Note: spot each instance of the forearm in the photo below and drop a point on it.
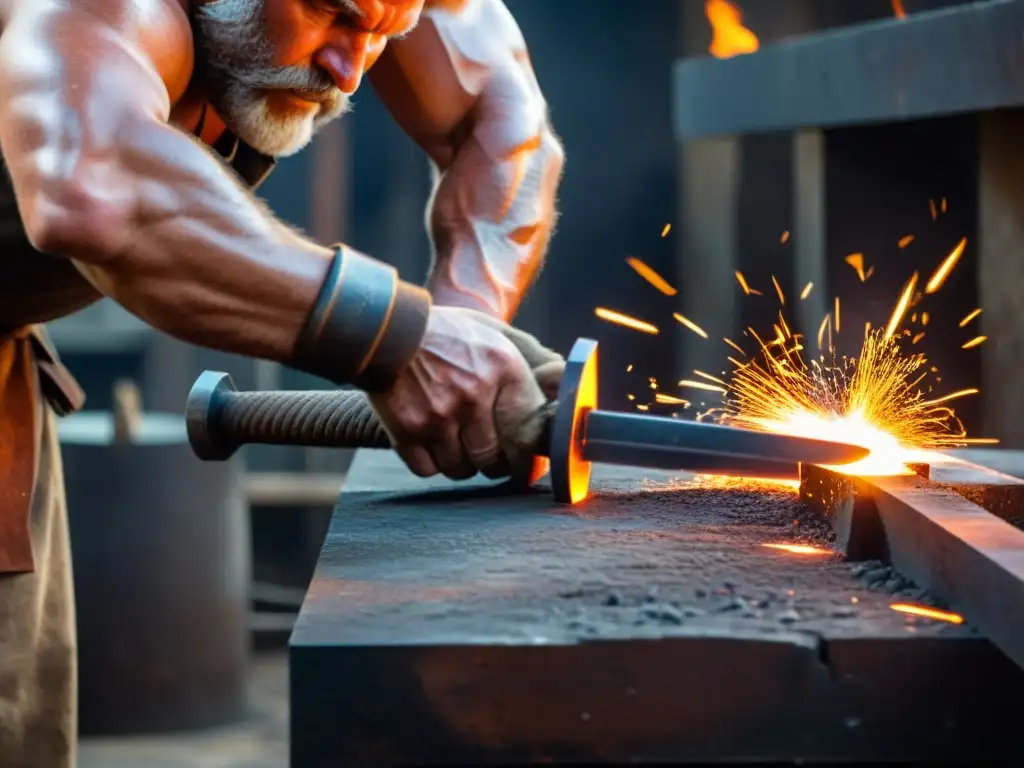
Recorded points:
(493, 211)
(201, 258)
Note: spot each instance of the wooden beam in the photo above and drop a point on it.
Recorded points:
(1001, 273)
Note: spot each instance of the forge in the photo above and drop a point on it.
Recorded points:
(462, 625)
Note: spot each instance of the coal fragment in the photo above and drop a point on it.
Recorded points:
(843, 612)
(613, 599)
(868, 565)
(700, 592)
(894, 584)
(788, 617)
(664, 613)
(736, 604)
(570, 594)
(877, 575)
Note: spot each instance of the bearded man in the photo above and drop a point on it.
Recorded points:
(133, 131)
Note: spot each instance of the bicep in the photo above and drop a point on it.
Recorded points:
(465, 62)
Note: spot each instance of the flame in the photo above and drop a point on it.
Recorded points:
(729, 36)
(897, 9)
(799, 549)
(928, 613)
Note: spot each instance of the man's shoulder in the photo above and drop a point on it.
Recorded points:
(157, 31)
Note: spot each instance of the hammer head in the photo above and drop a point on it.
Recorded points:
(201, 412)
(577, 397)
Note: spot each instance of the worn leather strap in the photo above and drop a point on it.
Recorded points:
(19, 450)
(30, 371)
(366, 325)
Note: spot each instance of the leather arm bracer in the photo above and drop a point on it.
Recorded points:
(365, 326)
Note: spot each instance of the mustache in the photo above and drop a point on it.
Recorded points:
(312, 81)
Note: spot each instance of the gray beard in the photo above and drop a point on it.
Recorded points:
(235, 61)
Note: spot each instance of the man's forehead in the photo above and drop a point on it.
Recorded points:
(388, 17)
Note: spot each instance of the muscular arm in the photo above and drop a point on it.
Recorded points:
(145, 213)
(461, 85)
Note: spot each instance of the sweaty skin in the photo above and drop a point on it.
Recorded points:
(98, 103)
(493, 206)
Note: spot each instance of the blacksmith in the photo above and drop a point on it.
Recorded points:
(133, 133)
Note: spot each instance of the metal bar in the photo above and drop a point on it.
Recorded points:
(958, 60)
(954, 549)
(629, 439)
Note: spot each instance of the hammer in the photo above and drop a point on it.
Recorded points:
(571, 432)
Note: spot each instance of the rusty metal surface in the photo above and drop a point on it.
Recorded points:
(958, 60)
(469, 627)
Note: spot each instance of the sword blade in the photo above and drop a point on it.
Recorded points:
(652, 441)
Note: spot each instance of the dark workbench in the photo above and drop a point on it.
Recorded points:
(466, 626)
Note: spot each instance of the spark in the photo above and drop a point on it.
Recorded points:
(976, 341)
(778, 290)
(652, 277)
(669, 400)
(939, 277)
(901, 307)
(837, 314)
(931, 209)
(629, 368)
(821, 328)
(625, 320)
(735, 346)
(872, 401)
(799, 549)
(743, 282)
(928, 613)
(856, 260)
(806, 291)
(643, 407)
(917, 337)
(897, 9)
(943, 205)
(785, 237)
(869, 273)
(710, 378)
(701, 385)
(665, 230)
(905, 241)
(970, 317)
(690, 324)
(925, 317)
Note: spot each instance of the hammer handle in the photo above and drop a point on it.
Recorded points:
(316, 419)
(221, 419)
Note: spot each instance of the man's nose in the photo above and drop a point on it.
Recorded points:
(345, 60)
